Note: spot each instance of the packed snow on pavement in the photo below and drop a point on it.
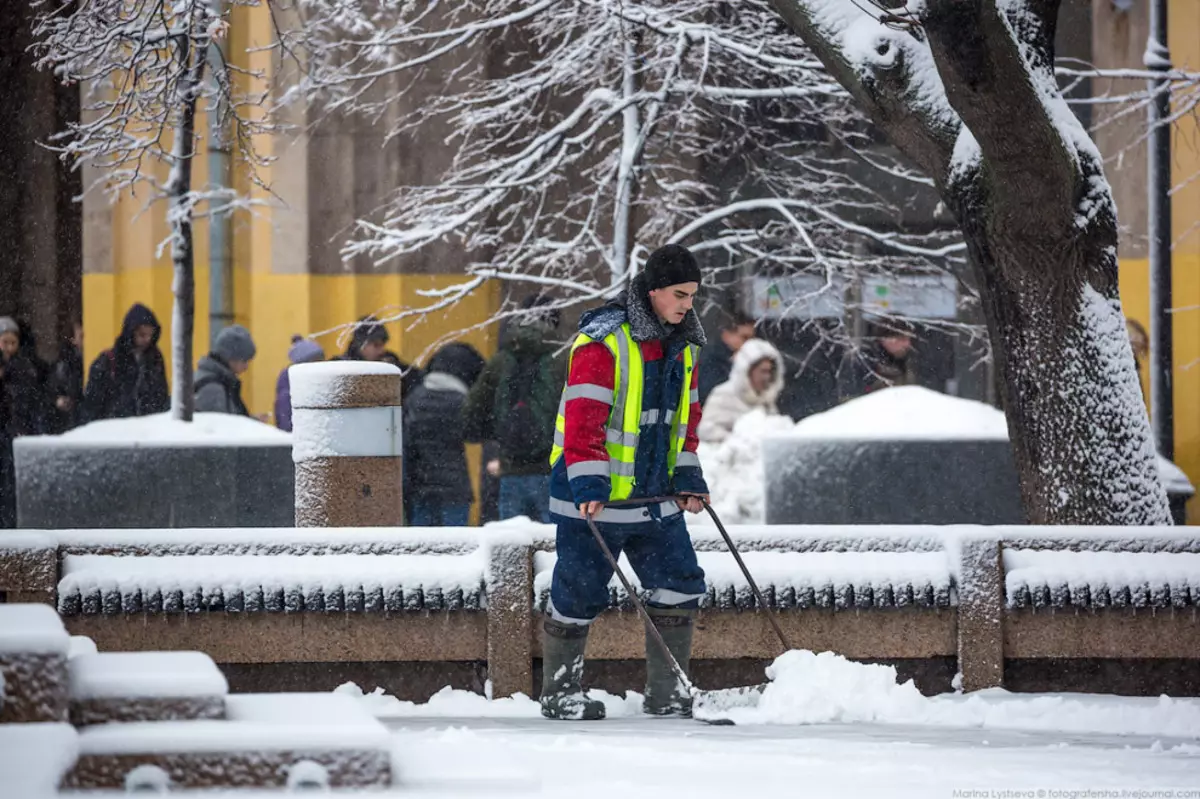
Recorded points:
(825, 727)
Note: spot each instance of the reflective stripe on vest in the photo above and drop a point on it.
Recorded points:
(626, 418)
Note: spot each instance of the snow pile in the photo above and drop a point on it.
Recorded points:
(455, 703)
(808, 688)
(734, 468)
(160, 430)
(908, 413)
(32, 629)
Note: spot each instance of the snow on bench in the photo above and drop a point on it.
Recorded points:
(113, 585)
(838, 580)
(261, 739)
(145, 686)
(1040, 579)
(282, 541)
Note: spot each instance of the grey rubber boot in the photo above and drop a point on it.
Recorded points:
(562, 668)
(665, 695)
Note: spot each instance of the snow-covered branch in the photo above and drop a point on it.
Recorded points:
(585, 133)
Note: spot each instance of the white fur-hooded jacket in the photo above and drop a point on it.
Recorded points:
(735, 398)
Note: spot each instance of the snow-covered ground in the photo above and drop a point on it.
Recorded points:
(831, 728)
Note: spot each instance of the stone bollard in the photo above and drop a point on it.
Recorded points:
(346, 444)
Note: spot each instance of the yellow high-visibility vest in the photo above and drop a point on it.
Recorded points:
(625, 420)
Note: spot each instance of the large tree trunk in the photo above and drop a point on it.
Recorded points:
(967, 90)
(180, 216)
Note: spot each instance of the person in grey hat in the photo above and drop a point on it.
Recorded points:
(218, 383)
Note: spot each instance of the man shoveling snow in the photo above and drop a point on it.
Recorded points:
(626, 430)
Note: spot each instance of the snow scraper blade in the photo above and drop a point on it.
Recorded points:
(712, 707)
(709, 706)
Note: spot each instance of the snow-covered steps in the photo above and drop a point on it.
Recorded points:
(1096, 580)
(145, 686)
(266, 740)
(33, 664)
(34, 757)
(114, 585)
(801, 580)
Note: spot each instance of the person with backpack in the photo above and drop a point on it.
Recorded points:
(218, 383)
(436, 478)
(627, 434)
(130, 379)
(513, 404)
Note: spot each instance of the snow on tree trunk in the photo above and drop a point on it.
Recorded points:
(180, 215)
(968, 92)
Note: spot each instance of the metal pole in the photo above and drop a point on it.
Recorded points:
(220, 273)
(1158, 60)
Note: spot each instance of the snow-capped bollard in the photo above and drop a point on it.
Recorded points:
(347, 444)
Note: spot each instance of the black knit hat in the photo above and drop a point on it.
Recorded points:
(670, 265)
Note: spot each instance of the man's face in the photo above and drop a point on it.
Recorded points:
(372, 350)
(671, 304)
(9, 343)
(238, 367)
(142, 336)
(736, 337)
(897, 346)
(77, 338)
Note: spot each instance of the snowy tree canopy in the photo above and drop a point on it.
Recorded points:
(586, 133)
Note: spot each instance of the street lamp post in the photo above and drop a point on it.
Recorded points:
(1158, 60)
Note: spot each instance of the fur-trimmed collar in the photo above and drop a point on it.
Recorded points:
(633, 306)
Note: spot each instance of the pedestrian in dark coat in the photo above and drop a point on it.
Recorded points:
(20, 405)
(303, 350)
(513, 404)
(435, 462)
(130, 379)
(65, 385)
(218, 384)
(716, 359)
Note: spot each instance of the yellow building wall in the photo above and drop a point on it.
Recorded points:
(272, 306)
(1184, 43)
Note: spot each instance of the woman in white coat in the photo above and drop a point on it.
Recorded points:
(754, 382)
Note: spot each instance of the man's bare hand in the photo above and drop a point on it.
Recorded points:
(493, 467)
(692, 503)
(590, 509)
